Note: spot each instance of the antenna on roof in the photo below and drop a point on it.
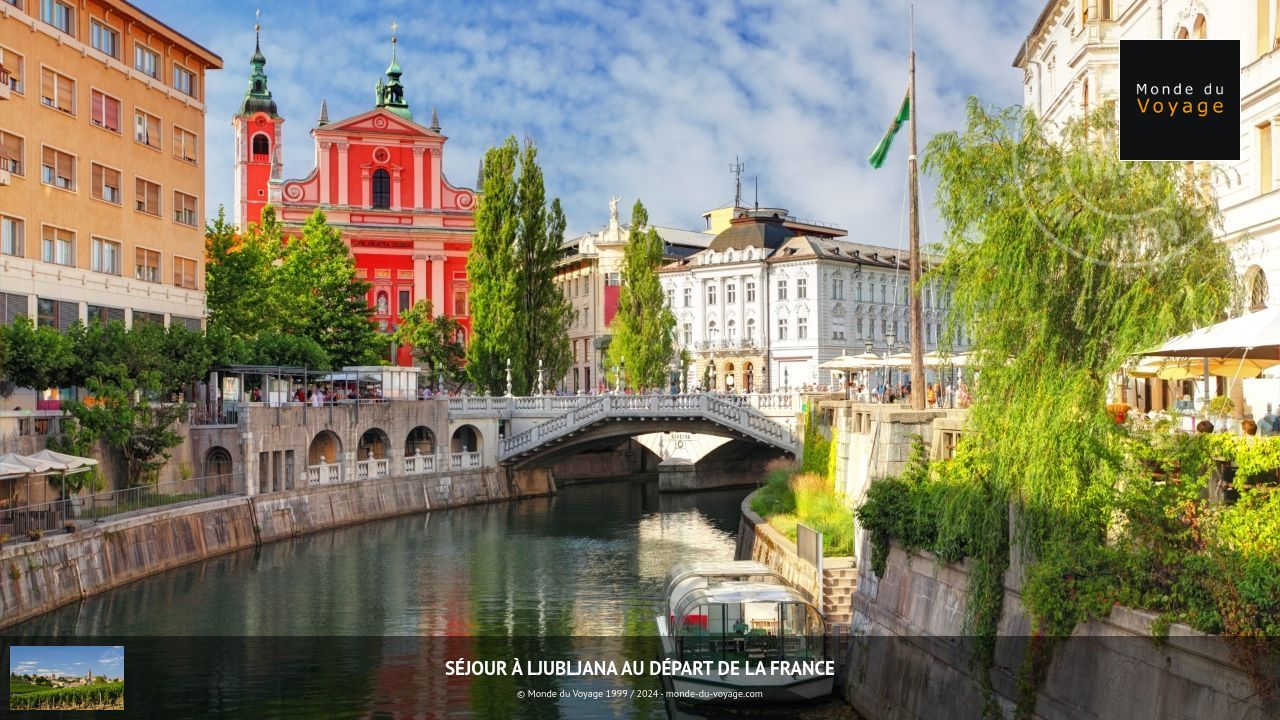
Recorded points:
(757, 181)
(736, 168)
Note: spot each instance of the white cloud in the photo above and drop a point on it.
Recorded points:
(650, 100)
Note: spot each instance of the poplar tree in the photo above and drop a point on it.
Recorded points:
(643, 324)
(517, 312)
(238, 274)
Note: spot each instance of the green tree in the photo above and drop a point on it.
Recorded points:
(643, 325)
(489, 269)
(318, 295)
(434, 339)
(271, 348)
(238, 274)
(35, 357)
(125, 419)
(517, 312)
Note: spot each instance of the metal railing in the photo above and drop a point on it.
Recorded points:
(96, 507)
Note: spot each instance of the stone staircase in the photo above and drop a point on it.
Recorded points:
(839, 580)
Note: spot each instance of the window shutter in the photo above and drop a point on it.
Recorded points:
(97, 107)
(66, 94)
(114, 314)
(98, 176)
(11, 306)
(49, 158)
(47, 87)
(111, 107)
(68, 313)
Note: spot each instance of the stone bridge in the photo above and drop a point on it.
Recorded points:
(582, 422)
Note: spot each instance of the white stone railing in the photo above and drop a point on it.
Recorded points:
(373, 468)
(465, 461)
(550, 405)
(729, 411)
(418, 464)
(324, 474)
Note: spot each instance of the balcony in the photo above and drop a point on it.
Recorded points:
(740, 345)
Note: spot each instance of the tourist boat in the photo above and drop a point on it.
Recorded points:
(730, 629)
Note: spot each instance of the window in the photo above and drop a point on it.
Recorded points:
(184, 208)
(837, 288)
(406, 300)
(860, 328)
(58, 169)
(460, 302)
(671, 297)
(59, 15)
(147, 197)
(146, 128)
(146, 61)
(782, 289)
(57, 91)
(802, 328)
(146, 266)
(751, 291)
(1266, 176)
(782, 328)
(106, 183)
(184, 144)
(58, 246)
(10, 236)
(184, 81)
(104, 256)
(103, 314)
(688, 333)
(381, 188)
(57, 314)
(262, 146)
(802, 288)
(16, 65)
(184, 272)
(104, 111)
(751, 330)
(613, 279)
(146, 317)
(688, 297)
(711, 294)
(730, 294)
(104, 38)
(11, 147)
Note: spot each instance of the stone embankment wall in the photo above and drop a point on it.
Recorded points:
(757, 540)
(64, 567)
(910, 660)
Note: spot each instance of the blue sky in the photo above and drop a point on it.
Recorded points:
(645, 99)
(70, 660)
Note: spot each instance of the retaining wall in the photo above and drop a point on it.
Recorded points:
(910, 660)
(64, 567)
(757, 540)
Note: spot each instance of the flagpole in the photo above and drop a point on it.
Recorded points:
(917, 320)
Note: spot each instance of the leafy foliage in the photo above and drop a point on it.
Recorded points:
(643, 327)
(1062, 261)
(434, 339)
(102, 696)
(35, 357)
(790, 497)
(122, 416)
(517, 313)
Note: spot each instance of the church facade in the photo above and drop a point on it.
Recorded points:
(379, 179)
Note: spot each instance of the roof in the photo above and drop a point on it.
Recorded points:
(807, 246)
(1035, 30)
(757, 232)
(209, 56)
(670, 235)
(740, 592)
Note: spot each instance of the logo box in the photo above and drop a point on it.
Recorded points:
(1179, 99)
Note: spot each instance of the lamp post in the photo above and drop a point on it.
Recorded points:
(675, 374)
(890, 339)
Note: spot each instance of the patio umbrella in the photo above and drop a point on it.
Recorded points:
(13, 470)
(1254, 335)
(861, 361)
(897, 360)
(34, 466)
(1240, 367)
(66, 463)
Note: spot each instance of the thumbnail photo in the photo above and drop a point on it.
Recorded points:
(66, 677)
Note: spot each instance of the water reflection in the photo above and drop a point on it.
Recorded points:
(360, 621)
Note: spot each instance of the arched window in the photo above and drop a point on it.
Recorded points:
(261, 146)
(1256, 281)
(381, 188)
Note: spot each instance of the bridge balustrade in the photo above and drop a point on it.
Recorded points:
(324, 474)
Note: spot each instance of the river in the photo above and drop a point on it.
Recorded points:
(360, 622)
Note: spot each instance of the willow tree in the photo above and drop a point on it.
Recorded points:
(643, 324)
(1063, 262)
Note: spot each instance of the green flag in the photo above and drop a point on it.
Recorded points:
(904, 114)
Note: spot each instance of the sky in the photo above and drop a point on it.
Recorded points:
(648, 99)
(67, 660)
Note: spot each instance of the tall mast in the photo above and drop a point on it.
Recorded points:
(917, 319)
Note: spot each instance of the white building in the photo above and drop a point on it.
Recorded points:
(772, 298)
(1071, 64)
(589, 273)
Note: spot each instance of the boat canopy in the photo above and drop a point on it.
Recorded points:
(693, 574)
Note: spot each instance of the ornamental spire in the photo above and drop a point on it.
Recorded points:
(390, 95)
(257, 98)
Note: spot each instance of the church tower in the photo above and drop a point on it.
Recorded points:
(258, 135)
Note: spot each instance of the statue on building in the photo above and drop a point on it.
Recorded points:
(613, 210)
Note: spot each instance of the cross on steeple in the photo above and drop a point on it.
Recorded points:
(394, 26)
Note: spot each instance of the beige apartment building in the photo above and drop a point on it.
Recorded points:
(101, 165)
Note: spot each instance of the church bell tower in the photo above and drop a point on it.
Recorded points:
(258, 136)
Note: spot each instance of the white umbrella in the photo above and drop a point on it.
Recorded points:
(896, 360)
(1254, 335)
(854, 362)
(13, 470)
(34, 466)
(65, 463)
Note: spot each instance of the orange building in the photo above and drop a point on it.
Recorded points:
(379, 179)
(102, 167)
